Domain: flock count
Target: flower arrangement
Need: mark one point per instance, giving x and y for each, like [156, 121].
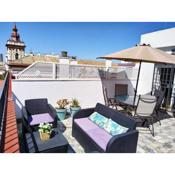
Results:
[62, 103]
[75, 103]
[45, 130]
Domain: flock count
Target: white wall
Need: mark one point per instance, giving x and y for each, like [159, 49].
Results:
[159, 39]
[144, 85]
[87, 92]
[146, 78]
[110, 85]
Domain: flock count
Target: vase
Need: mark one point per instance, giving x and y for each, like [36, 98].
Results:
[61, 114]
[44, 136]
[74, 110]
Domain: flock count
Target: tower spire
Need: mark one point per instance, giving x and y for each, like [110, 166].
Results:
[15, 36]
[15, 28]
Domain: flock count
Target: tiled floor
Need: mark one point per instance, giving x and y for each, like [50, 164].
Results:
[162, 142]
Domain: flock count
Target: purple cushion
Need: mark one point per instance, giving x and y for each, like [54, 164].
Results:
[40, 118]
[97, 134]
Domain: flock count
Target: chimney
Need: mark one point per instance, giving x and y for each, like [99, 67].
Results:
[64, 54]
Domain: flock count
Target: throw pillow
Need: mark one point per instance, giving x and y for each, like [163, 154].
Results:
[114, 128]
[98, 119]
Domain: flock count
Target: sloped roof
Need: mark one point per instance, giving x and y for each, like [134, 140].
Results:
[92, 62]
[28, 60]
[31, 59]
[97, 63]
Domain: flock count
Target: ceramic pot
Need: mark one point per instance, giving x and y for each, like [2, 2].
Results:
[74, 110]
[44, 136]
[61, 114]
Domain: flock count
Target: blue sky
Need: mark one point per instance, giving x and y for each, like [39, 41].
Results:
[84, 40]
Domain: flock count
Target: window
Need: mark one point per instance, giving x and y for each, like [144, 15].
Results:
[173, 51]
[16, 56]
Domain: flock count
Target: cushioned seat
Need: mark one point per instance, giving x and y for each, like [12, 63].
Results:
[97, 134]
[40, 118]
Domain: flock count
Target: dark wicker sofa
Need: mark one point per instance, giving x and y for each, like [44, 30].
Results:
[122, 143]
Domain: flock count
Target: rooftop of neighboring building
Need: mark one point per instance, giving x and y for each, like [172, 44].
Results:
[28, 60]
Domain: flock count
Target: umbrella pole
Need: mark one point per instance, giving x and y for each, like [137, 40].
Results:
[138, 75]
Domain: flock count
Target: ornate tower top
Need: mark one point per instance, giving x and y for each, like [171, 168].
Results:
[15, 36]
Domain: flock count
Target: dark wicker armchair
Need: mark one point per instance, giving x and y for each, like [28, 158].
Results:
[39, 106]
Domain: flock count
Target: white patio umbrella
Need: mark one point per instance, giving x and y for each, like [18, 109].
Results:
[141, 53]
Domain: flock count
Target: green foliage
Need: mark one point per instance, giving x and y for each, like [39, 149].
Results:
[75, 103]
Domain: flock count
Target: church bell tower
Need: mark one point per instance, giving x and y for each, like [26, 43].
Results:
[15, 47]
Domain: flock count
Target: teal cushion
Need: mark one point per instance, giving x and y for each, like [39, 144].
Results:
[98, 119]
[114, 128]
[107, 124]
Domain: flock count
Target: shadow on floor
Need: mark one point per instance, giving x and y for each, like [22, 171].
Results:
[162, 115]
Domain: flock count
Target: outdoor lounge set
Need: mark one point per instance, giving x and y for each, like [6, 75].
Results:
[92, 137]
[101, 129]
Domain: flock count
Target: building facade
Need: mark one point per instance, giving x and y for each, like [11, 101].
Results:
[162, 75]
[15, 47]
[163, 39]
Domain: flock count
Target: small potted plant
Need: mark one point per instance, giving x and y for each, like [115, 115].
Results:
[61, 109]
[45, 131]
[74, 107]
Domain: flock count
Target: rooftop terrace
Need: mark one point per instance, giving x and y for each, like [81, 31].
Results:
[162, 142]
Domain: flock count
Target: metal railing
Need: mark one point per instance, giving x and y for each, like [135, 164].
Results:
[85, 71]
[37, 70]
[50, 70]
[122, 73]
[3, 107]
